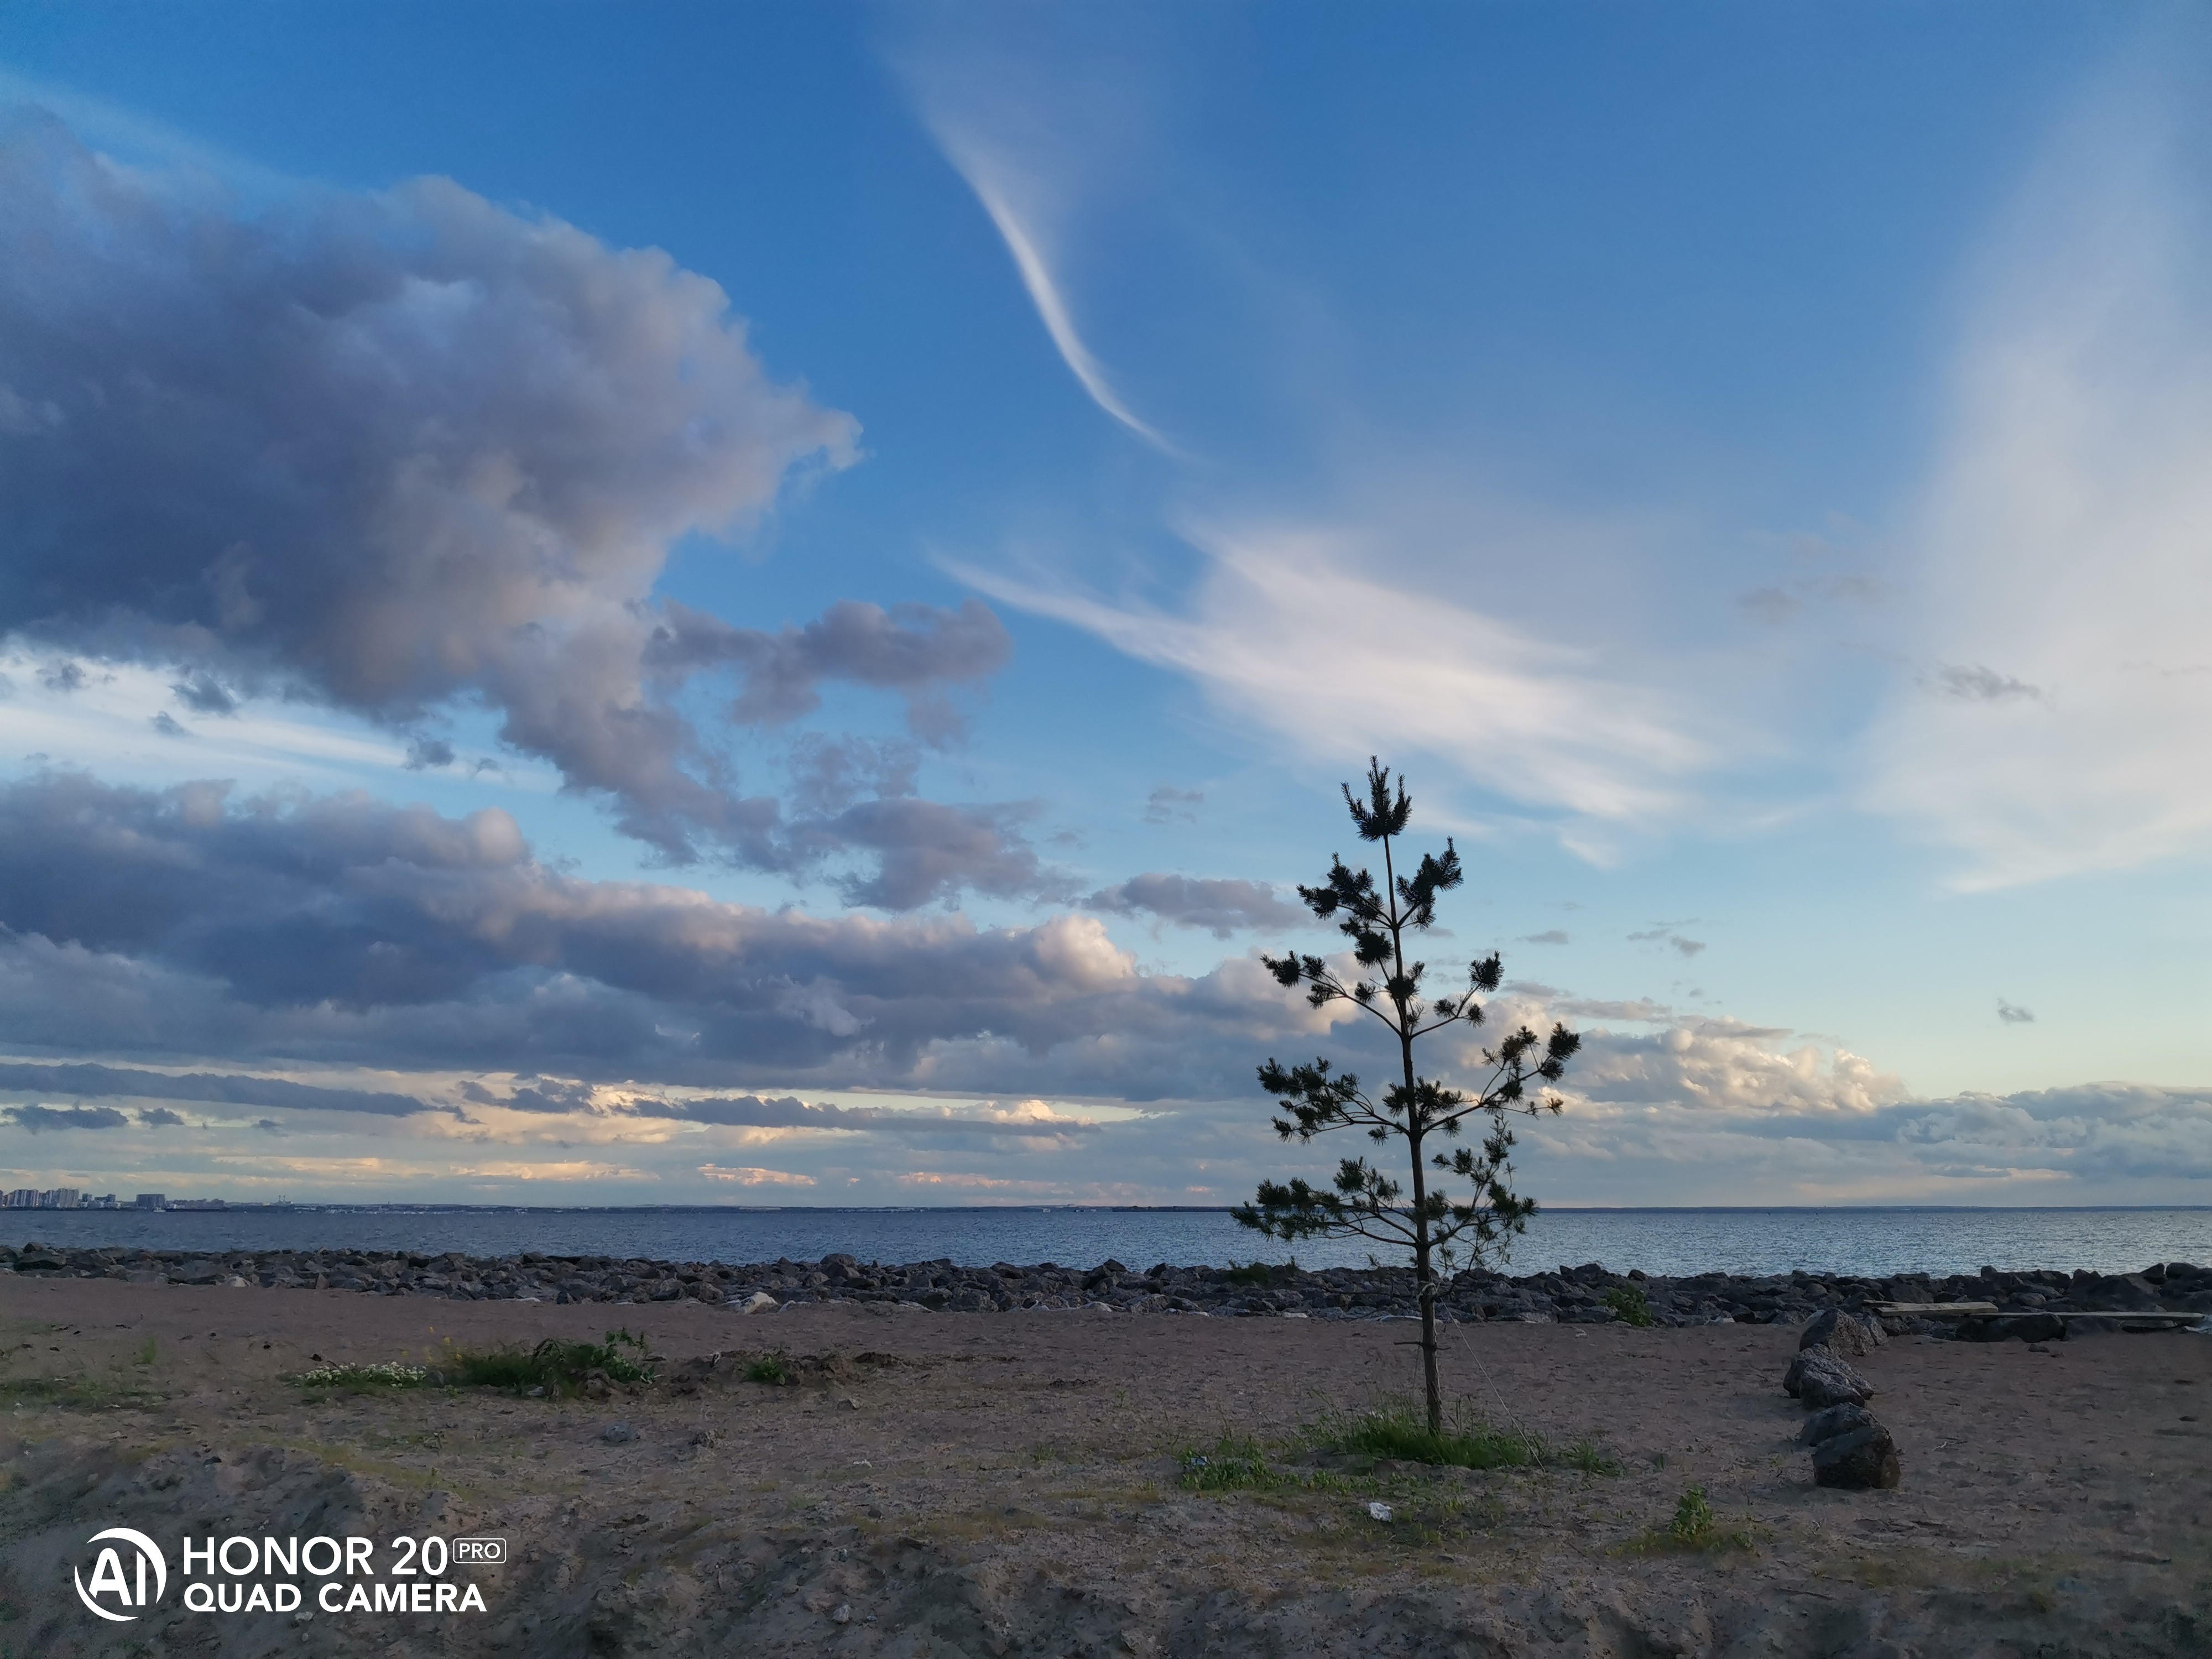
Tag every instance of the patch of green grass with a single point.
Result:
(1235, 1463)
(774, 1369)
(1437, 1516)
(69, 1393)
(148, 1355)
(555, 1365)
(1630, 1306)
(1401, 1431)
(1404, 1510)
(1587, 1456)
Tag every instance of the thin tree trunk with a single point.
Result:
(1424, 1273)
(1424, 1282)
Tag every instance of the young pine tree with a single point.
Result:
(1364, 1201)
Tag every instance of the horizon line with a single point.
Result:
(267, 1206)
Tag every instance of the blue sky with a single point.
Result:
(1745, 463)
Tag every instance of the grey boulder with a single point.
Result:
(1819, 1379)
(1827, 1423)
(1842, 1332)
(1859, 1459)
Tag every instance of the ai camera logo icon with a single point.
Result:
(109, 1579)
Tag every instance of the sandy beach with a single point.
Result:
(949, 1484)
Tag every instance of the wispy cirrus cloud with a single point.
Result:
(988, 177)
(1315, 622)
(1287, 629)
(1018, 146)
(2060, 579)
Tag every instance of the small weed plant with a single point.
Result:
(1630, 1306)
(1695, 1527)
(1693, 1517)
(774, 1369)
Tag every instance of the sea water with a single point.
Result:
(1671, 1242)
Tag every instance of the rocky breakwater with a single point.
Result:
(1584, 1295)
(2028, 1302)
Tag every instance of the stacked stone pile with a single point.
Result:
(1569, 1295)
(1851, 1448)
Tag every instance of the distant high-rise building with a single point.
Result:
(59, 1198)
(23, 1198)
(151, 1201)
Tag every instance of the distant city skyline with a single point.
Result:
(616, 607)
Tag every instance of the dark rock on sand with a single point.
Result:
(1828, 1423)
(1819, 1379)
(1842, 1332)
(1859, 1459)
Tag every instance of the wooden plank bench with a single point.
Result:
(1990, 1310)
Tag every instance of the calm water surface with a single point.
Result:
(1666, 1241)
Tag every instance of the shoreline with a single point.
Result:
(1586, 1295)
(431, 1207)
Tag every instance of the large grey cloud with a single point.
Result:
(84, 1081)
(789, 1112)
(1222, 906)
(2116, 1131)
(916, 650)
(140, 921)
(924, 847)
(409, 451)
(293, 932)
(36, 1118)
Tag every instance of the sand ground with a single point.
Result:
(1010, 1484)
